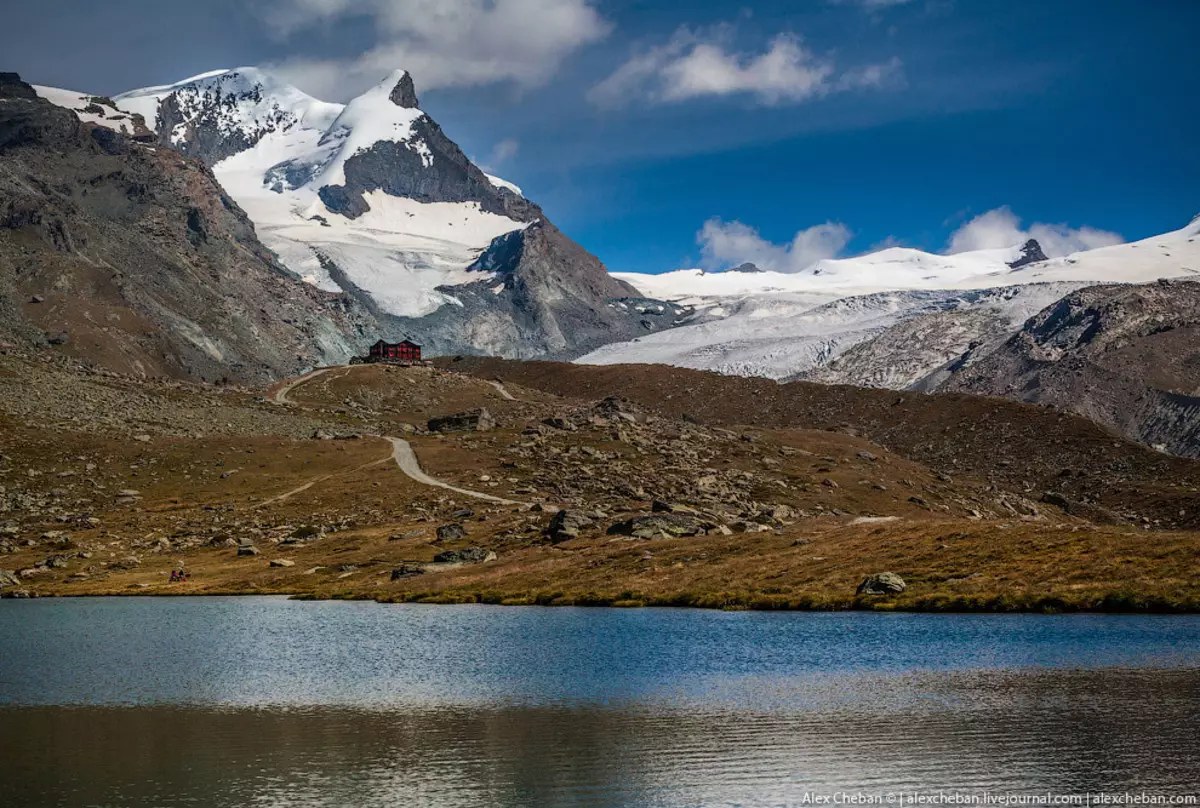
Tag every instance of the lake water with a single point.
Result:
(269, 702)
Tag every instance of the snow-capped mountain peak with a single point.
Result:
(371, 198)
(220, 113)
(383, 114)
(788, 325)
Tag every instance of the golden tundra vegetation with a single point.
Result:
(606, 486)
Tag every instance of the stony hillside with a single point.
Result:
(1126, 356)
(109, 484)
(1042, 452)
(133, 256)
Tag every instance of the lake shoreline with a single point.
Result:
(1113, 604)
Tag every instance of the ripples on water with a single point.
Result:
(266, 702)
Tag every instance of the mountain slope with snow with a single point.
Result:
(372, 198)
(786, 326)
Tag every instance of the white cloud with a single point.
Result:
(1001, 228)
(699, 63)
(504, 151)
(442, 43)
(726, 244)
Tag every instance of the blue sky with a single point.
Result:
(666, 134)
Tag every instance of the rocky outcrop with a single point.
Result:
(404, 94)
(1125, 356)
(659, 526)
(1031, 253)
(467, 555)
(204, 120)
(473, 421)
(441, 173)
(142, 262)
(567, 524)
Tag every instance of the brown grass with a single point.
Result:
(374, 518)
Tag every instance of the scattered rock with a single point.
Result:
(247, 550)
(882, 583)
(1057, 500)
(407, 571)
(452, 532)
(659, 526)
(279, 562)
(467, 555)
(567, 524)
(474, 420)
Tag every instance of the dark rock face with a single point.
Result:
(746, 267)
(1031, 253)
(446, 175)
(1125, 356)
(11, 86)
(404, 94)
(175, 279)
(557, 302)
(26, 120)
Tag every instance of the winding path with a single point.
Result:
(280, 396)
(502, 390)
(315, 480)
(402, 452)
(406, 459)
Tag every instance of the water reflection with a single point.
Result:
(1053, 731)
(266, 702)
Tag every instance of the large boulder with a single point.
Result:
(471, 421)
(567, 524)
(451, 532)
(882, 583)
(659, 526)
(467, 555)
(407, 571)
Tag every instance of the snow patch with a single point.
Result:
(90, 109)
(499, 183)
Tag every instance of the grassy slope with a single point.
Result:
(199, 490)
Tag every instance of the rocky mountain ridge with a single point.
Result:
(373, 199)
(133, 257)
(1127, 356)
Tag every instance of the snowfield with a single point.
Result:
(784, 326)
